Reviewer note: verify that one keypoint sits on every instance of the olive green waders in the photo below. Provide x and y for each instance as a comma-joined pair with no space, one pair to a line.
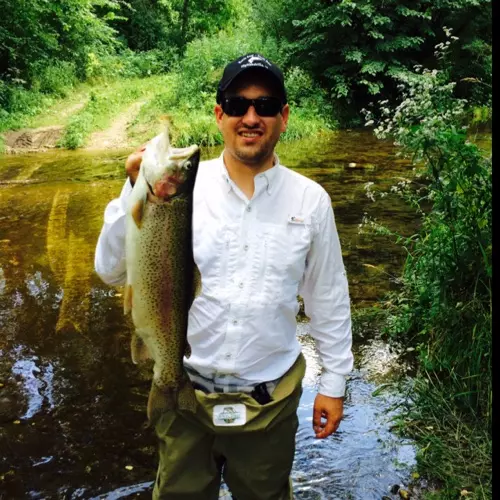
255,457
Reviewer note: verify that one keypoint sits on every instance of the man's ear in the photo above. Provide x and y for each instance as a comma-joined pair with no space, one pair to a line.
285,113
218,114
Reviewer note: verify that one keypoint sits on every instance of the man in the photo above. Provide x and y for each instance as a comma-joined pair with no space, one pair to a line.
262,234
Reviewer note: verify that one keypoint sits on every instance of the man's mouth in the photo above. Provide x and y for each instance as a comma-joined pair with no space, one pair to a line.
250,135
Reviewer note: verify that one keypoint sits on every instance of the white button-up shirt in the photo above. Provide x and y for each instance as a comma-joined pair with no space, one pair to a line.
255,257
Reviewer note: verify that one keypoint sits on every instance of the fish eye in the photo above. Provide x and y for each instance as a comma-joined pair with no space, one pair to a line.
187,164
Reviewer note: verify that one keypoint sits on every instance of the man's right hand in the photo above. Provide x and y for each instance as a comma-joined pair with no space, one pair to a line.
133,163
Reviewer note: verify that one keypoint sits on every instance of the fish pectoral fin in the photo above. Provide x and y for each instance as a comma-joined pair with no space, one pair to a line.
138,349
159,402
137,212
127,303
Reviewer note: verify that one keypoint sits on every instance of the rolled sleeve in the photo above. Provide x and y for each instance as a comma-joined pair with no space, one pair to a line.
109,260
324,289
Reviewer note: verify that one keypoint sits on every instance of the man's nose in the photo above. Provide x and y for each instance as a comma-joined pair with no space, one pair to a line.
251,118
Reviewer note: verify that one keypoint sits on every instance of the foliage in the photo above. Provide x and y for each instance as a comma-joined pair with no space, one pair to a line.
201,68
170,24
454,452
128,64
18,105
189,97
359,49
444,304
35,33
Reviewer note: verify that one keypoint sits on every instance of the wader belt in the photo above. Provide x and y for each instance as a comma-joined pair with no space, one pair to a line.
260,392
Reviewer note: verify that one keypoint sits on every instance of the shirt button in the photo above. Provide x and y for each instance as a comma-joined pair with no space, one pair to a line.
249,208
228,355
245,248
241,285
235,321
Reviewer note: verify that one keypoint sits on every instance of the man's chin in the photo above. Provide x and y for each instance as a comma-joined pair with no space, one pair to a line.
253,156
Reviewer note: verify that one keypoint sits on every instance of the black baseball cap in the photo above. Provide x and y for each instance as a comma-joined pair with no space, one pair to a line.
248,62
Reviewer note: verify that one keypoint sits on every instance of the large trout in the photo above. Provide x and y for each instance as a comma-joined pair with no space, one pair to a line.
160,269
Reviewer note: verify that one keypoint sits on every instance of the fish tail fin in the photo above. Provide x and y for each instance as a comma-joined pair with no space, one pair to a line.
186,398
158,403
138,349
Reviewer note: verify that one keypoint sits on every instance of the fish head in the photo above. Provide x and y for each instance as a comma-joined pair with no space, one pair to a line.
169,171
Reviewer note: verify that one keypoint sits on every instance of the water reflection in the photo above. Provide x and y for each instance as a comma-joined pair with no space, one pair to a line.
36,382
72,404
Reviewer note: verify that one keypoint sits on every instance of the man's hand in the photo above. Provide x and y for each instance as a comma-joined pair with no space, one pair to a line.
133,163
327,414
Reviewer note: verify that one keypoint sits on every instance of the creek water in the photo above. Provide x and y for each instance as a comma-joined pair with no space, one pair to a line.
72,404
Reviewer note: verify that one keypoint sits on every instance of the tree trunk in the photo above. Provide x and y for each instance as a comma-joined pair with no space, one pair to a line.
185,15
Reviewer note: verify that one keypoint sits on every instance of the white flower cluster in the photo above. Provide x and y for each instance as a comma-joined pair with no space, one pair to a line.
421,94
370,226
368,191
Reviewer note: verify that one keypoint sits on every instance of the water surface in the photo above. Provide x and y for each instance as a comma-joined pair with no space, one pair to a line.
72,404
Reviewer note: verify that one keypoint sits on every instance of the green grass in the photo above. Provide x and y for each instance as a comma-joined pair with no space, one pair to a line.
25,107
105,103
61,110
453,449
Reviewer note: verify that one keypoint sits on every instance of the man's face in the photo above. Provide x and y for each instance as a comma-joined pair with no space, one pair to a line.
251,138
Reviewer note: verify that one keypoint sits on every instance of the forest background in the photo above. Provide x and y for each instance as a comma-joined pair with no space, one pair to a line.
419,71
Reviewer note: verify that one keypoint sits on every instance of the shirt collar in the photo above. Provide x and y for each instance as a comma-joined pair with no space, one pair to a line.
269,176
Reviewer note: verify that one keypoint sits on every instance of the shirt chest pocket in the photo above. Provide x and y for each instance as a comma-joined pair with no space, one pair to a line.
287,246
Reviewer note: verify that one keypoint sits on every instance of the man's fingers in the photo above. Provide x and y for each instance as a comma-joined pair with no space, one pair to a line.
329,428
317,414
133,163
327,414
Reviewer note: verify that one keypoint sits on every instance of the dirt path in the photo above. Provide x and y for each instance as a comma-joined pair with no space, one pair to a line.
43,138
115,136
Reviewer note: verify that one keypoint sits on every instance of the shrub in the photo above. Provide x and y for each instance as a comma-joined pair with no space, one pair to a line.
445,300
444,303
57,78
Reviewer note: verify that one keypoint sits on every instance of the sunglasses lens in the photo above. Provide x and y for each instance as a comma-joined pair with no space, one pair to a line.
267,106
235,106
264,106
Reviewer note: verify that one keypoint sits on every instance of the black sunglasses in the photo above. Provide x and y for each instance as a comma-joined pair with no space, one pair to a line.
264,106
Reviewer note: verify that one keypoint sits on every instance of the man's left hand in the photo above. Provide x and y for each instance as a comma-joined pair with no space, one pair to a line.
327,414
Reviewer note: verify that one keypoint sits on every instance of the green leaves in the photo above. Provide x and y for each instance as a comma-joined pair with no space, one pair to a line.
380,40
449,262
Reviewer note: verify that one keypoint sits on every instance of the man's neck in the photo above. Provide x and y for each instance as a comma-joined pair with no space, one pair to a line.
243,175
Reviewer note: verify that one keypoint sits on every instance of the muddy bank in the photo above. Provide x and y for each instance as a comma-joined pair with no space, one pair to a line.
32,140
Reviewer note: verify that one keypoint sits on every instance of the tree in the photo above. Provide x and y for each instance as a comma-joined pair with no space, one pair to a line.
357,49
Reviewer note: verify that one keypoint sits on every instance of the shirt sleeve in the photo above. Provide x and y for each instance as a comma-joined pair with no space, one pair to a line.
109,260
325,292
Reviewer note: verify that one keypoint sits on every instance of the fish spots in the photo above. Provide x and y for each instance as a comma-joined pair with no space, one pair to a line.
162,282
